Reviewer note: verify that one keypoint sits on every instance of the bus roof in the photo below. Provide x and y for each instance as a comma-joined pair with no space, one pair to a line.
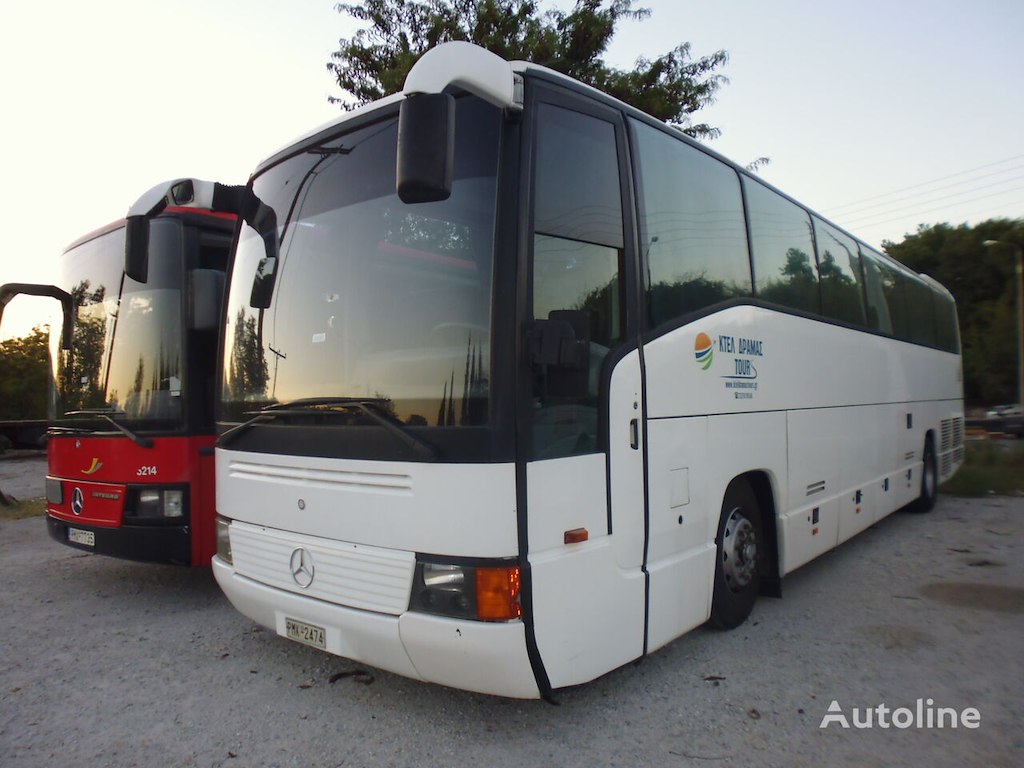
170,211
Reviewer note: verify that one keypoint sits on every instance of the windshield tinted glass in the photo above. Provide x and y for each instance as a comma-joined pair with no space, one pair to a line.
127,355
373,299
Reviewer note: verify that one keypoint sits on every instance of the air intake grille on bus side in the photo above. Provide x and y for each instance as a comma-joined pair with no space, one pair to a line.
951,444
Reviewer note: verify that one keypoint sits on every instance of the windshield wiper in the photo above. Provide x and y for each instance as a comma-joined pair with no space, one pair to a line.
106,415
373,408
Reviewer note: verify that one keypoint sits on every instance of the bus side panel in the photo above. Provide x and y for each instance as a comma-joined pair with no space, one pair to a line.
588,613
680,557
859,472
588,610
832,457
709,452
850,394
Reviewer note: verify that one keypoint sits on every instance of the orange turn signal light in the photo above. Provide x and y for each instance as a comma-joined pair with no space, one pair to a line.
497,594
576,536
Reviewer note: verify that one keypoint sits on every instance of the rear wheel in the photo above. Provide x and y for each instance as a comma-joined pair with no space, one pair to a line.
740,551
929,479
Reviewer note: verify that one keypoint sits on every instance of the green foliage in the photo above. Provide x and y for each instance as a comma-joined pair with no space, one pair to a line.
23,509
25,376
981,278
247,366
989,468
374,62
79,373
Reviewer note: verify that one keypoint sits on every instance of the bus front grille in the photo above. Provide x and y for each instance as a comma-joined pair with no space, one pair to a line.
343,573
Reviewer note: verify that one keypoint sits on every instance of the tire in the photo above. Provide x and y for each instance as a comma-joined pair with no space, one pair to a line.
929,479
740,554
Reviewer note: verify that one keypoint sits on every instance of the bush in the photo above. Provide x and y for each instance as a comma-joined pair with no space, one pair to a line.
990,467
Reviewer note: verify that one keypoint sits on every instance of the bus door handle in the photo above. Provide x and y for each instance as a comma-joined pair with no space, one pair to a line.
634,434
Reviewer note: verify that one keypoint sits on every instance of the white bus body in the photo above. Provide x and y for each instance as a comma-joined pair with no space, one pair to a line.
602,508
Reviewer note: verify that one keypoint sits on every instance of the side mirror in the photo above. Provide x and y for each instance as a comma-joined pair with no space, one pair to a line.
184,192
263,283
136,248
426,148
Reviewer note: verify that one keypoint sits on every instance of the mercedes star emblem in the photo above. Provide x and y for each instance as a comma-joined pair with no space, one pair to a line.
302,567
77,501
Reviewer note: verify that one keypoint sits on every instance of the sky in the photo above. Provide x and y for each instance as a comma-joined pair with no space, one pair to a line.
881,115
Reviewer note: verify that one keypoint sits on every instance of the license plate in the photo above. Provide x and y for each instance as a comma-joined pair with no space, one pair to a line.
310,634
82,537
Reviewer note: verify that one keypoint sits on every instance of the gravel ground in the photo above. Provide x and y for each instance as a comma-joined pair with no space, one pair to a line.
23,474
111,663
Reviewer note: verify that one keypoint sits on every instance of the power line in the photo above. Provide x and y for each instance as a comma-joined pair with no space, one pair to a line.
940,208
925,183
929,201
987,212
939,189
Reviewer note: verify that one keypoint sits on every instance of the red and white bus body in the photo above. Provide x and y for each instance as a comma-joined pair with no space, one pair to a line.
130,445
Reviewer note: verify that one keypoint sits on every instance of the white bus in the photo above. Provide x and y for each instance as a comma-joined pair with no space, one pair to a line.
562,387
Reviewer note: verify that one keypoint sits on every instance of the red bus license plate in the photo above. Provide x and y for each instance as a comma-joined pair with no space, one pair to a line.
88,538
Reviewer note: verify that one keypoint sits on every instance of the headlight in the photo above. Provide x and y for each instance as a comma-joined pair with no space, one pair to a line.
480,592
224,540
174,504
156,505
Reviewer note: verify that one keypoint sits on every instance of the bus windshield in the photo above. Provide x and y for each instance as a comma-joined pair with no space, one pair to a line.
375,303
126,361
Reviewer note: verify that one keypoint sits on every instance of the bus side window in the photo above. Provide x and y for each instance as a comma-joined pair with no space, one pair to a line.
874,293
946,323
921,312
894,288
784,265
577,261
842,295
692,227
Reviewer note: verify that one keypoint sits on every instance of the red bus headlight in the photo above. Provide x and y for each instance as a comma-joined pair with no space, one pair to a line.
156,505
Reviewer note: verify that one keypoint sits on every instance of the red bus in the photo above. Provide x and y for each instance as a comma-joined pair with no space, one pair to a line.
131,423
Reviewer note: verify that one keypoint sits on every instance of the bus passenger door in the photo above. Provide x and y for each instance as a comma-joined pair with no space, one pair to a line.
585,502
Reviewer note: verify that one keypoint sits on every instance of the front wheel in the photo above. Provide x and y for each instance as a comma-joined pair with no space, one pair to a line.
929,480
740,551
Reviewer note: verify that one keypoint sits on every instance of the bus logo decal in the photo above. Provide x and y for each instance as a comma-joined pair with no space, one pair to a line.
92,470
77,501
704,350
740,377
302,567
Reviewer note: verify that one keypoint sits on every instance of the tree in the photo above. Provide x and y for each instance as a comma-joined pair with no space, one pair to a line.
981,280
24,383
374,62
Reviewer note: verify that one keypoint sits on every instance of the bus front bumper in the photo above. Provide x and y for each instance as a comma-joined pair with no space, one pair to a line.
145,543
475,656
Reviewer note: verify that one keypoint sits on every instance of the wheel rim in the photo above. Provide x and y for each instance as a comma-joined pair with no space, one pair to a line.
739,551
